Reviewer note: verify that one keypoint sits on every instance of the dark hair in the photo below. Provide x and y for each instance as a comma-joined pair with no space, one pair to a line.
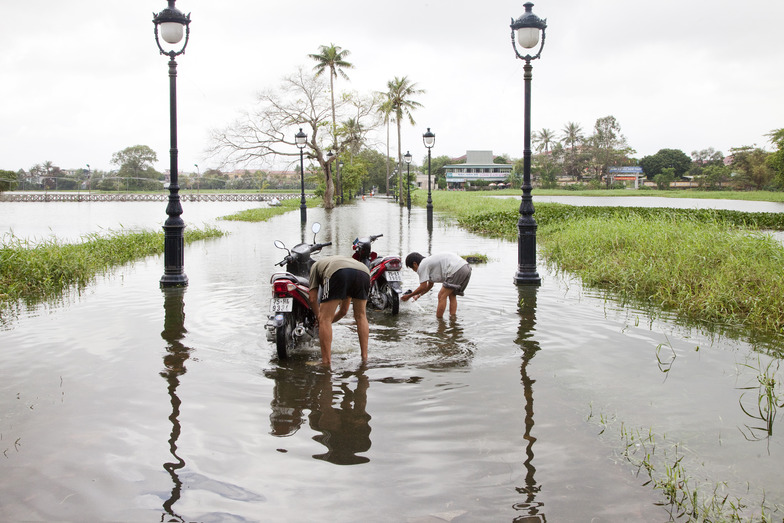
413,258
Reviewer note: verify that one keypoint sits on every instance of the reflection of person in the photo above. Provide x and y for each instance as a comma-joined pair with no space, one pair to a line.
345,429
343,280
447,268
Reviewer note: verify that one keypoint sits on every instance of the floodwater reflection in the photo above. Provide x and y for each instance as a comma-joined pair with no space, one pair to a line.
525,339
174,362
337,405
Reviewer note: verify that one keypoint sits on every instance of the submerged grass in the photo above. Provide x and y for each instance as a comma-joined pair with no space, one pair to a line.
45,269
265,213
704,264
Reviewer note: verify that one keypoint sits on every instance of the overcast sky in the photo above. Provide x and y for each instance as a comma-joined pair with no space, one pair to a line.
82,80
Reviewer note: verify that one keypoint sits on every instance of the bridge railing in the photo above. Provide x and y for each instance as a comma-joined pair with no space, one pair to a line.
140,197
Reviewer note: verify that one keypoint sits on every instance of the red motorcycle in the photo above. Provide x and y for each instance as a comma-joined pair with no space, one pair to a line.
291,316
385,279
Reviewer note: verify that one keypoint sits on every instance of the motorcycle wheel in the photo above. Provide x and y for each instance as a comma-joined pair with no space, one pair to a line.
393,300
284,337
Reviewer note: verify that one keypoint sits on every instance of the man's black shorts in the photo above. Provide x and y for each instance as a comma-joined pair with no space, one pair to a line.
351,283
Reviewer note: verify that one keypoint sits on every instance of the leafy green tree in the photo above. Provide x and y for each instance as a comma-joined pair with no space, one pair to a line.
8,180
776,160
666,158
752,167
354,174
136,167
437,170
665,177
713,177
400,97
332,58
546,169
377,165
608,146
502,159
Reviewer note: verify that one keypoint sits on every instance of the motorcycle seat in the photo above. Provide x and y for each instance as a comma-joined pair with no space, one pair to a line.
292,277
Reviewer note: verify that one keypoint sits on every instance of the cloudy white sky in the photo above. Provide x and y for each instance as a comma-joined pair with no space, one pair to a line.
82,80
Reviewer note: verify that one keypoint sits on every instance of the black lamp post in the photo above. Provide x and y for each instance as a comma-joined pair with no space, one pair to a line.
407,158
528,27
172,22
198,179
300,139
430,140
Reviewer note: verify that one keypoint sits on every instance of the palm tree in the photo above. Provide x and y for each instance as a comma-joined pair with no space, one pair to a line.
332,57
572,135
385,108
545,137
400,92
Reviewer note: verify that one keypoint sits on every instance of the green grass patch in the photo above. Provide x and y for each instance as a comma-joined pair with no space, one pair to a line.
704,264
43,270
265,213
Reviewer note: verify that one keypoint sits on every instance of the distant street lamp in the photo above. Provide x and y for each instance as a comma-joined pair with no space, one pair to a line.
430,140
198,179
300,138
89,176
172,23
407,158
528,27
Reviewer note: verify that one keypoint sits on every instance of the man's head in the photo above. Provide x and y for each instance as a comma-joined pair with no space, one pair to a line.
414,259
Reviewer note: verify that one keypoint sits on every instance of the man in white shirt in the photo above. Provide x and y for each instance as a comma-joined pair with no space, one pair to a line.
446,268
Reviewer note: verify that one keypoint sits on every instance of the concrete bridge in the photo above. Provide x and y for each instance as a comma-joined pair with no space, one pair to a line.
140,197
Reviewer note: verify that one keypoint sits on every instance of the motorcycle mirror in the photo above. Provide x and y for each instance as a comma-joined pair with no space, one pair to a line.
316,228
280,245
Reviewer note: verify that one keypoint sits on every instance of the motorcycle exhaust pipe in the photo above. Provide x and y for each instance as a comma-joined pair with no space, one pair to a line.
299,331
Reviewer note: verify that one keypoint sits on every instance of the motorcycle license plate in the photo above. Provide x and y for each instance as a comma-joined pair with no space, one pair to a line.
393,276
281,304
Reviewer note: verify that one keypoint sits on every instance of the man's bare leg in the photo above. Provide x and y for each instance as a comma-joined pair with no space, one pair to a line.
363,328
326,315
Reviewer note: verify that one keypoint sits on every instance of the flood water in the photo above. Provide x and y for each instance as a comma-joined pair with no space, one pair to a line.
128,403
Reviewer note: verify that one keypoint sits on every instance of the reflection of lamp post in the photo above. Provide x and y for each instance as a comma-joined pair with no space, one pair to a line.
527,341
528,27
407,158
300,138
174,362
172,22
430,140
198,179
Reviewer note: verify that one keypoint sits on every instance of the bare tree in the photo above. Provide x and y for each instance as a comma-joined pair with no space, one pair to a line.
266,133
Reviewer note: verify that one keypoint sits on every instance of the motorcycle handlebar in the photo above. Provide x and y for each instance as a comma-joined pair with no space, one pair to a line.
319,246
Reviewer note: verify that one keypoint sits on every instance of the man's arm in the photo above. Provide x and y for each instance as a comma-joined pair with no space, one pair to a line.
314,304
419,291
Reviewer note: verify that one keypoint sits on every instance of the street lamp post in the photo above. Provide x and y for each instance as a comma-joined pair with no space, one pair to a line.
300,139
198,179
407,158
528,27
430,140
89,176
172,22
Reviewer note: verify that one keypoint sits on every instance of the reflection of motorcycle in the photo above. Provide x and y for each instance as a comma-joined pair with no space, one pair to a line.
291,316
385,279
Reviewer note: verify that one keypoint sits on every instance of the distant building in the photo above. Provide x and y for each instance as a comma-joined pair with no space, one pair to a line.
478,166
